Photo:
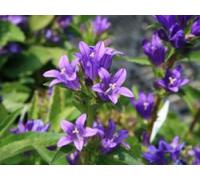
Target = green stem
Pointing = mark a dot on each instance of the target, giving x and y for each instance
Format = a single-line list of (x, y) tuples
[(194, 122)]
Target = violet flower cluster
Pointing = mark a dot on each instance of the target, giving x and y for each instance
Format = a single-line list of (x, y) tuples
[(94, 62), (165, 153), (31, 126)]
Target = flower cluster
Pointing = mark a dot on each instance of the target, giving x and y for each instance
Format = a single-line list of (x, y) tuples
[(165, 153), (79, 135), (95, 62), (31, 125)]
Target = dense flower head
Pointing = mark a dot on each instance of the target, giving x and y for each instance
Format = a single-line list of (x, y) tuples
[(92, 58), (66, 75), (15, 19), (100, 25), (195, 29), (165, 153), (64, 21), (76, 133), (110, 86), (173, 29), (195, 153), (155, 50), (144, 104), (31, 125), (110, 137), (173, 80)]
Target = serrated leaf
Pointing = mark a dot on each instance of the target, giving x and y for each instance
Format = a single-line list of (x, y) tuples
[(37, 23), (13, 145), (10, 32)]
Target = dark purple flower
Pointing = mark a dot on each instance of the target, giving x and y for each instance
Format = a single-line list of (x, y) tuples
[(144, 104), (31, 125), (177, 36), (14, 19), (13, 47), (73, 158), (100, 25), (165, 153), (64, 21), (183, 20), (173, 29), (66, 75), (51, 36), (195, 153), (76, 133), (195, 29), (166, 20), (155, 50), (173, 80), (110, 87), (110, 138), (92, 58)]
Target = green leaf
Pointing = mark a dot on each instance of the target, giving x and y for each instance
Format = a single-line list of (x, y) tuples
[(39, 22), (9, 121), (3, 113), (190, 96), (194, 56), (10, 32), (33, 59), (34, 108), (15, 94), (139, 60), (13, 145), (59, 108)]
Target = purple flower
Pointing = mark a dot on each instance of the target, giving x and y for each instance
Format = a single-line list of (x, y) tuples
[(110, 87), (73, 158), (51, 36), (31, 125), (76, 133), (66, 75), (165, 153), (177, 36), (100, 25), (144, 104), (14, 19), (110, 138), (173, 29), (95, 57), (13, 47), (155, 50), (195, 153), (173, 80), (64, 21), (195, 29)]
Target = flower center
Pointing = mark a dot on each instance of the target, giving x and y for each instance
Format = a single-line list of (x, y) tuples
[(112, 86), (75, 131), (145, 104), (171, 80), (92, 54), (63, 71)]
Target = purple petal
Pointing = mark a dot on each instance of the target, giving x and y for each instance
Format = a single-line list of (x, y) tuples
[(54, 82), (63, 62), (97, 88), (104, 74), (100, 50), (90, 132), (113, 98), (119, 77), (64, 141), (84, 48), (66, 126), (51, 73), (80, 122), (79, 142), (125, 92), (184, 81)]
